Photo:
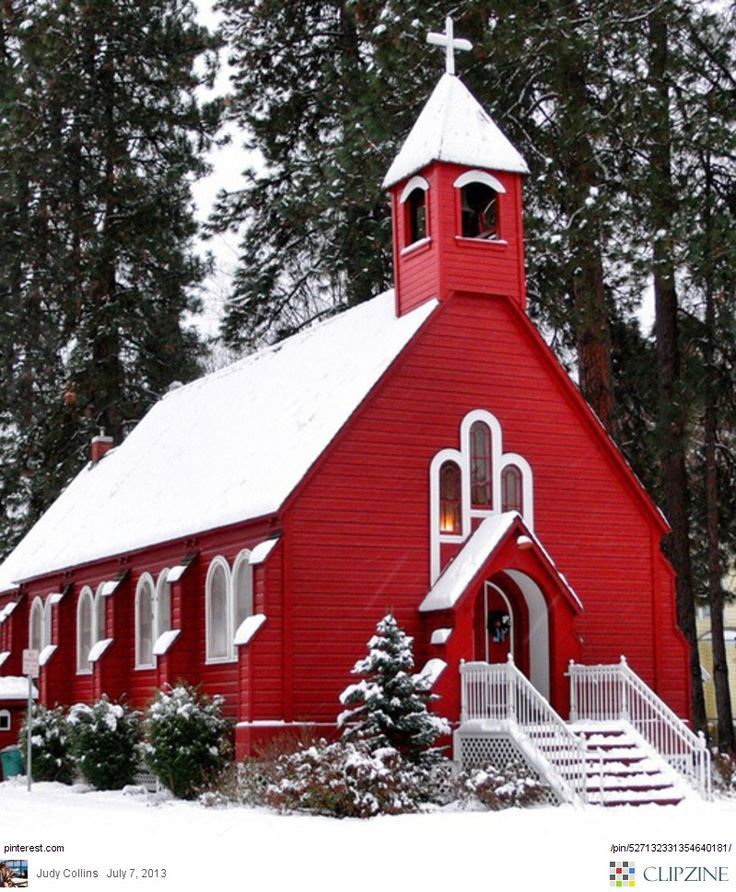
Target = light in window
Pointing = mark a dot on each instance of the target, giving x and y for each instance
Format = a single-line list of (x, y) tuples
[(480, 465), (511, 490), (479, 211), (450, 502)]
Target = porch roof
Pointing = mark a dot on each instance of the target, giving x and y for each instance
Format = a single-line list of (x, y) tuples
[(492, 533)]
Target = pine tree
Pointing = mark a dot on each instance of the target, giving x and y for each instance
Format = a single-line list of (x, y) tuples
[(97, 275), (389, 706)]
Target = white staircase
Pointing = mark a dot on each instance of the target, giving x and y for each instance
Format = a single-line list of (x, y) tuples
[(623, 745)]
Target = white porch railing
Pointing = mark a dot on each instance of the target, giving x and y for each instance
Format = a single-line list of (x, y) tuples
[(615, 692), (500, 693)]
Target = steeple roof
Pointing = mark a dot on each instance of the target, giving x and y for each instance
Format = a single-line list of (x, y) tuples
[(453, 127)]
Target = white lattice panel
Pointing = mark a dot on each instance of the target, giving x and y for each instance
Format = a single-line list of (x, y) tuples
[(484, 750)]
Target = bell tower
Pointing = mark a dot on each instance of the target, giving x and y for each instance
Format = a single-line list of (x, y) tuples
[(455, 191)]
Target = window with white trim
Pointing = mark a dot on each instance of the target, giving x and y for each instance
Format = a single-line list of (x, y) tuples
[(479, 193), (163, 603), (481, 484), (85, 630), (4, 720), (218, 612), (98, 629), (450, 498), (512, 498), (414, 200), (145, 594), (242, 589), (36, 625)]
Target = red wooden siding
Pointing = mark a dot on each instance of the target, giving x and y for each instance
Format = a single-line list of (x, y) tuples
[(368, 552)]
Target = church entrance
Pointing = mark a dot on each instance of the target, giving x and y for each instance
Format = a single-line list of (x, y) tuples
[(511, 618)]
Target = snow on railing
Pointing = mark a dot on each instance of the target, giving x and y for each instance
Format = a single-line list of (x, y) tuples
[(499, 692), (615, 692)]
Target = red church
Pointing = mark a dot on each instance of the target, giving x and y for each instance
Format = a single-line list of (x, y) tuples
[(422, 453)]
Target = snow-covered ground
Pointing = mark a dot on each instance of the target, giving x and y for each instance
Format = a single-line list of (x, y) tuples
[(238, 848)]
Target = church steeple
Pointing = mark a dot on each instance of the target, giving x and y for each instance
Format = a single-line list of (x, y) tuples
[(456, 199)]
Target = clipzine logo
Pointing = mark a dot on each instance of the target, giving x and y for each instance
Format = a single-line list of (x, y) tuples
[(622, 874)]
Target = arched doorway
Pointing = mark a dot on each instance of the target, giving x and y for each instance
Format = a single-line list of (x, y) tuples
[(511, 617)]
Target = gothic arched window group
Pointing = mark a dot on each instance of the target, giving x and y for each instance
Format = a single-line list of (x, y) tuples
[(228, 603)]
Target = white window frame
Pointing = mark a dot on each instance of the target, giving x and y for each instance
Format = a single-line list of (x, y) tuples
[(145, 579), (499, 460), (5, 720), (243, 559), (84, 667), (162, 583), (37, 609), (219, 561)]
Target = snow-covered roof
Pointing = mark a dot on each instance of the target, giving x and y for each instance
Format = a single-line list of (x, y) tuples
[(451, 585), (225, 448), (15, 687), (453, 127)]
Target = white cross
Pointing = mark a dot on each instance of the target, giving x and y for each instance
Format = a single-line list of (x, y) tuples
[(450, 42)]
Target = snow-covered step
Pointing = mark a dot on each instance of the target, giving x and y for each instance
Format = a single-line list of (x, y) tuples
[(622, 769)]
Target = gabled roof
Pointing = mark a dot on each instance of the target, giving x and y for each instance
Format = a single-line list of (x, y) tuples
[(226, 448), (485, 541), (453, 127)]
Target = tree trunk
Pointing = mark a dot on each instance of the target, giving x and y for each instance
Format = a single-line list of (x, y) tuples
[(712, 512), (671, 429)]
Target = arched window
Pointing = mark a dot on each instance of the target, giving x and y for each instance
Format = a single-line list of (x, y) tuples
[(144, 615), (479, 211), (450, 499), (85, 610), (218, 615), (163, 603), (99, 616), (4, 720), (416, 216), (242, 589), (480, 465), (35, 625), (511, 490), (47, 621), (414, 199)]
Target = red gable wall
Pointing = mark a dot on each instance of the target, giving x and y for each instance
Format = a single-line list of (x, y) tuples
[(358, 530)]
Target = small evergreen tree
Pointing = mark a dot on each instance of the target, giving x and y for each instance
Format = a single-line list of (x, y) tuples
[(389, 706), (51, 758), (187, 739), (104, 740)]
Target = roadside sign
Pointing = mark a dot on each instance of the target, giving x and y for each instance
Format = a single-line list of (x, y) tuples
[(30, 663)]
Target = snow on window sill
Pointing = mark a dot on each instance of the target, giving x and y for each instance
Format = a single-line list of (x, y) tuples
[(99, 648), (84, 672), (164, 641), (248, 628), (46, 654), (142, 667), (480, 242), (416, 246)]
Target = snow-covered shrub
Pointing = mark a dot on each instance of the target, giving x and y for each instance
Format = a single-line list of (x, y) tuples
[(104, 740), (494, 788), (187, 740), (51, 758), (345, 780), (388, 707)]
